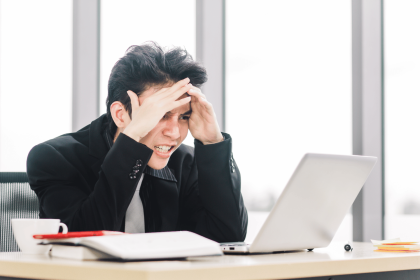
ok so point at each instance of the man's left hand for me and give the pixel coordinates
(203, 123)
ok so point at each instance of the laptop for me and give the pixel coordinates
(312, 205)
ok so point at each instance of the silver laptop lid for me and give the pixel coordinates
(314, 202)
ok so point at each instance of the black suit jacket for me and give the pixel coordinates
(79, 180)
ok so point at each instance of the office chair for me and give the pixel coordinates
(17, 200)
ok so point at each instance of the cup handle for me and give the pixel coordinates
(65, 229)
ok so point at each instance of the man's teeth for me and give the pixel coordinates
(163, 149)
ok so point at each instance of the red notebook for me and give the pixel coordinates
(76, 234)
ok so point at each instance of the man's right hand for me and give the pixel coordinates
(145, 116)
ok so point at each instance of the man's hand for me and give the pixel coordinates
(203, 123)
(145, 117)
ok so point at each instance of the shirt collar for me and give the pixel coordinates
(164, 173)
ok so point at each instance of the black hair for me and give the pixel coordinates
(145, 65)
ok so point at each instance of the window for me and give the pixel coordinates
(288, 92)
(402, 134)
(35, 76)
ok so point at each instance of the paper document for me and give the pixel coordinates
(395, 246)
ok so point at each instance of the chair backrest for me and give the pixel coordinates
(17, 200)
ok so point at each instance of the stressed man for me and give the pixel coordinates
(129, 171)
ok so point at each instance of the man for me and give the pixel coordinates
(128, 170)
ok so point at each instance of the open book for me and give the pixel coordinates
(141, 246)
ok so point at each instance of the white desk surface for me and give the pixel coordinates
(321, 262)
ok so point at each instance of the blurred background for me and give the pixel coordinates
(282, 78)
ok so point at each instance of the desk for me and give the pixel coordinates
(321, 263)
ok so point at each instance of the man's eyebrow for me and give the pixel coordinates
(188, 112)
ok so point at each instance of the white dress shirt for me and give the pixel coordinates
(134, 217)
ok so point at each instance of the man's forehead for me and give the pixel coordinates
(182, 110)
(158, 87)
(155, 88)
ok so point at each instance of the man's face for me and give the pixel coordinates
(168, 134)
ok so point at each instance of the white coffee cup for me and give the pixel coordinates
(24, 229)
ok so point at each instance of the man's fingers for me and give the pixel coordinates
(162, 90)
(199, 91)
(200, 100)
(196, 92)
(180, 84)
(134, 100)
(169, 90)
(181, 102)
(175, 95)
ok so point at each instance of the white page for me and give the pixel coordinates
(154, 245)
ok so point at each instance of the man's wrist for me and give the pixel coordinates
(219, 139)
(132, 134)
